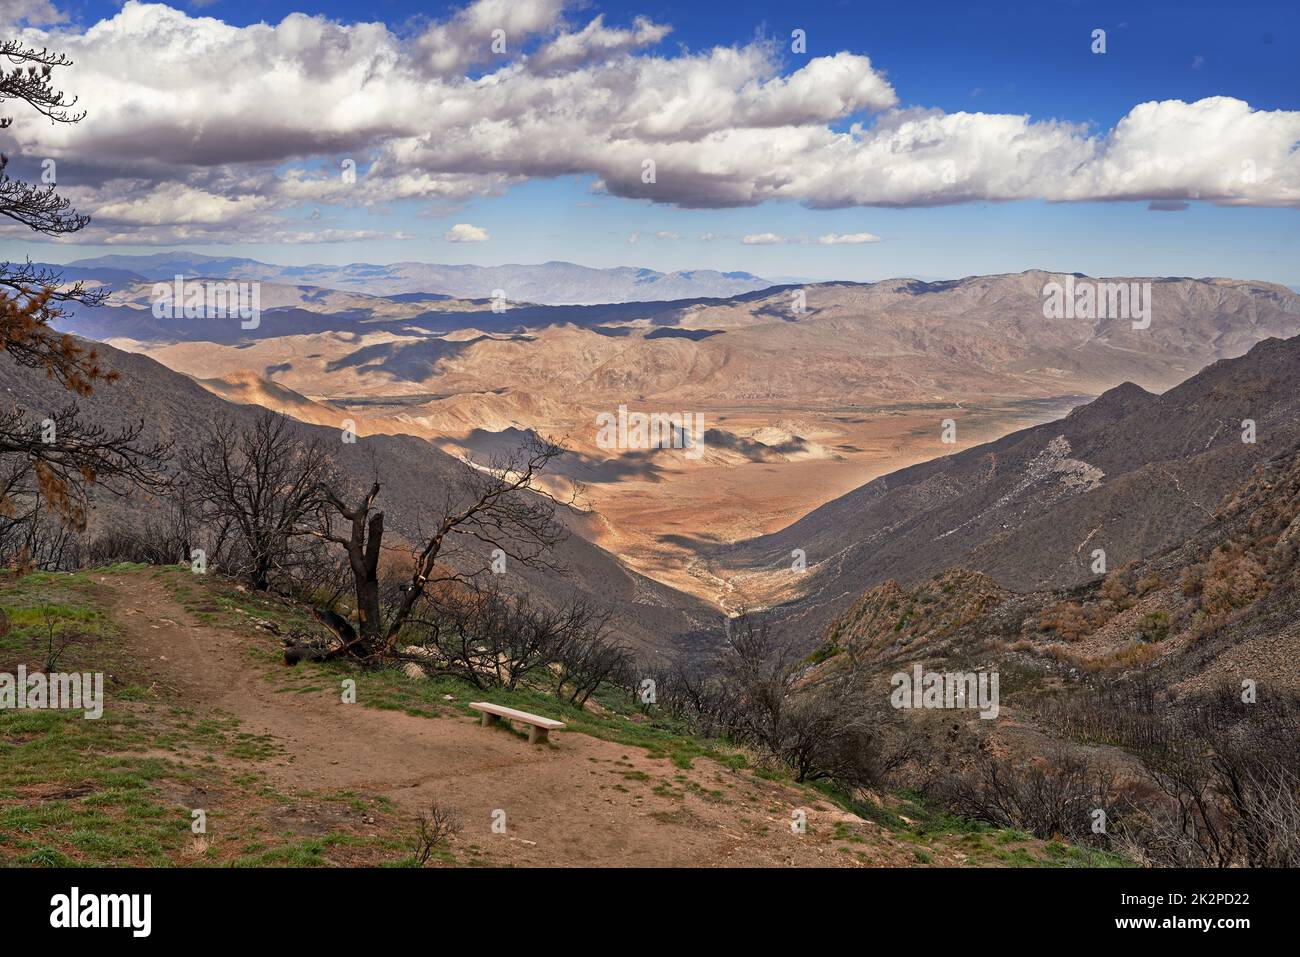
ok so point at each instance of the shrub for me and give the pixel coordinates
(1220, 783)
(1232, 579)
(1066, 620)
(1051, 796)
(1154, 626)
(1149, 582)
(433, 828)
(1115, 594)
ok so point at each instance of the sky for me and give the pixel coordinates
(932, 140)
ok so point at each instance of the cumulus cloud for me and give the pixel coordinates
(175, 204)
(483, 31)
(763, 239)
(837, 239)
(466, 233)
(249, 120)
(596, 41)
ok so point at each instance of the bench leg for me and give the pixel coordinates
(489, 719)
(537, 735)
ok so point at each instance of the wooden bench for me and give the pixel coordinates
(538, 727)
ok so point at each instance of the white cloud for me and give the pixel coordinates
(468, 37)
(466, 233)
(257, 118)
(836, 239)
(31, 12)
(175, 204)
(666, 234)
(830, 239)
(596, 42)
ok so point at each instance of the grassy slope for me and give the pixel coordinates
(118, 790)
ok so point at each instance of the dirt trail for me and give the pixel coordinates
(581, 801)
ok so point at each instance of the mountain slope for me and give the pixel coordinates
(414, 473)
(1219, 606)
(1131, 473)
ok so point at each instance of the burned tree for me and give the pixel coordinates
(261, 480)
(49, 462)
(492, 639)
(590, 658)
(498, 506)
(32, 298)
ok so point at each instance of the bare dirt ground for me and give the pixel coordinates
(579, 801)
(664, 527)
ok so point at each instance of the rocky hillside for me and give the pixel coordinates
(1130, 474)
(891, 618)
(1218, 607)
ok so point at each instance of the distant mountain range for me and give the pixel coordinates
(551, 283)
(892, 341)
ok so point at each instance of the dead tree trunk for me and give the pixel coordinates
(366, 535)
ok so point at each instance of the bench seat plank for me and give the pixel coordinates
(523, 717)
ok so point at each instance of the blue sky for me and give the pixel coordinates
(1015, 58)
